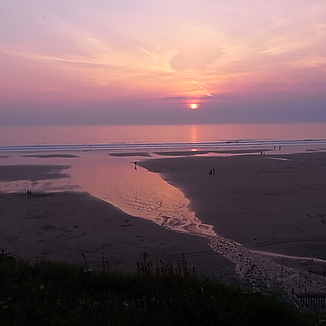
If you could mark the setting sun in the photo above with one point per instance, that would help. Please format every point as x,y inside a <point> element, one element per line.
<point>194,106</point>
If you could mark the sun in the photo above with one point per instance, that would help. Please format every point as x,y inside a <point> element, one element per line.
<point>193,106</point>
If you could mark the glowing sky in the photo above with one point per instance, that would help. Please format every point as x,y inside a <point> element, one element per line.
<point>147,61</point>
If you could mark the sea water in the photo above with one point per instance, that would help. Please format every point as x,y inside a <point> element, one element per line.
<point>160,137</point>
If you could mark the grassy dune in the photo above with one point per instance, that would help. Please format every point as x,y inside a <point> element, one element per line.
<point>49,293</point>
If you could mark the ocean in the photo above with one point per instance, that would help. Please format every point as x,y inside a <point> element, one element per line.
<point>166,137</point>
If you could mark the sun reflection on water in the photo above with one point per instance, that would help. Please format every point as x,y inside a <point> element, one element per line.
<point>139,192</point>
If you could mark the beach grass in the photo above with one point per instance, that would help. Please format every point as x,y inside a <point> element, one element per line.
<point>53,293</point>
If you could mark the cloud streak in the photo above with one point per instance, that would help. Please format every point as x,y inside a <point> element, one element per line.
<point>200,86</point>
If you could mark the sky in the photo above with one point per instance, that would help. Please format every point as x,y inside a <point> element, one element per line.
<point>83,62</point>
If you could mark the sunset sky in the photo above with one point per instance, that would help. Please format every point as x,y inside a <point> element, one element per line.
<point>81,62</point>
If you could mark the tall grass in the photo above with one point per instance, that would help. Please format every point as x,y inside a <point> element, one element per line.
<point>49,293</point>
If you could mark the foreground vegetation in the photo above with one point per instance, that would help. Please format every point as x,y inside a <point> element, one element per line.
<point>50,293</point>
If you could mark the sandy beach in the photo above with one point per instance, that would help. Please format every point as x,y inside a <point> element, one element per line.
<point>270,203</point>
<point>269,209</point>
<point>268,213</point>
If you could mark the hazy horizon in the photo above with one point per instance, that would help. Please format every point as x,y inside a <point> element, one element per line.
<point>147,62</point>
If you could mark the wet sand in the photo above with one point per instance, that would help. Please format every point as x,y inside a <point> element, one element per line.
<point>223,152</point>
<point>124,154</point>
